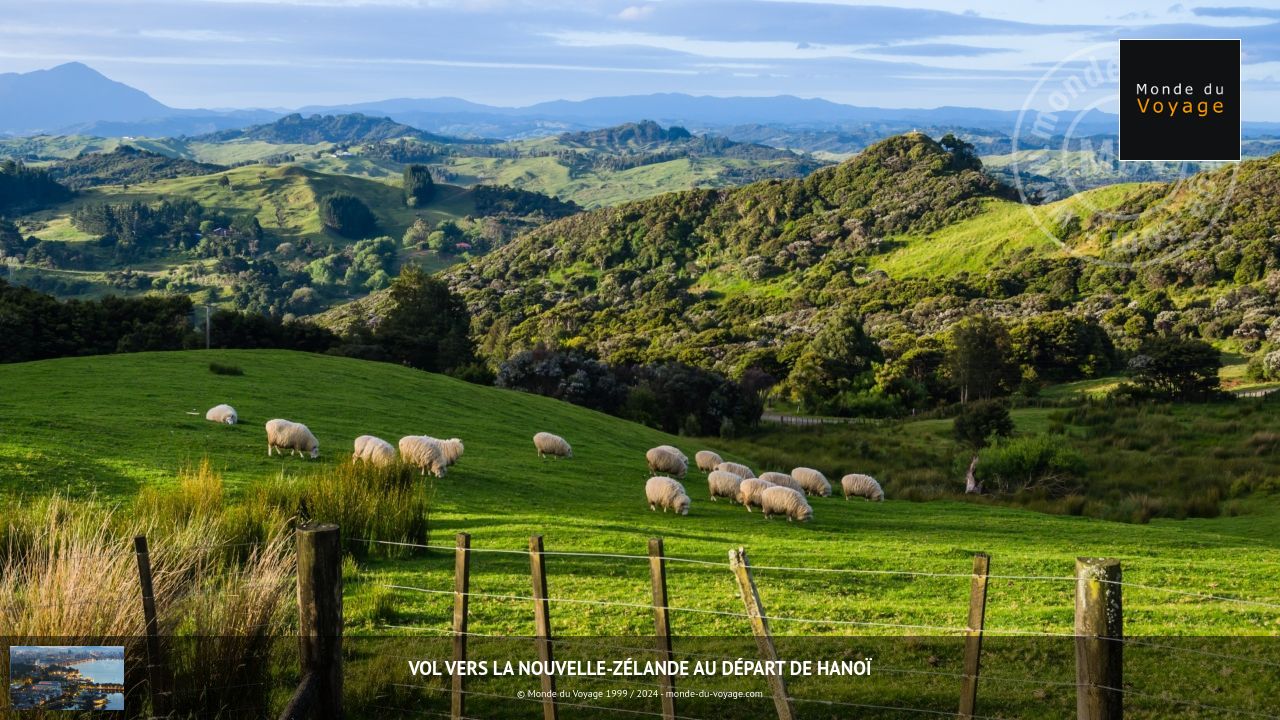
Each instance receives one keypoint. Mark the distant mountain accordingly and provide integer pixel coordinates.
(126, 165)
(702, 112)
(188, 122)
(67, 95)
(348, 128)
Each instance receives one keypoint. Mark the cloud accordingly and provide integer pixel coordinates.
(1238, 11)
(937, 50)
(635, 12)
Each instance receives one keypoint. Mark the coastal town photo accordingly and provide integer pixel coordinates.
(66, 677)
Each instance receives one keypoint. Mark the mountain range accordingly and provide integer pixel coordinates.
(73, 98)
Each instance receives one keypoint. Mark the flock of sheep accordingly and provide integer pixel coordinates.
(426, 453)
(775, 493)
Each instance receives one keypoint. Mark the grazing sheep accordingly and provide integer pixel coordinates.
(707, 460)
(666, 459)
(668, 494)
(723, 484)
(812, 481)
(785, 501)
(552, 445)
(424, 453)
(738, 469)
(222, 414)
(452, 450)
(783, 479)
(863, 486)
(373, 450)
(749, 491)
(677, 451)
(295, 437)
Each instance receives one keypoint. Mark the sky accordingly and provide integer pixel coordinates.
(903, 53)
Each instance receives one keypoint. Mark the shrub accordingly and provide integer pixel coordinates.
(1033, 463)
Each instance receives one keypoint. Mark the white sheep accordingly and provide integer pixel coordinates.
(707, 460)
(785, 501)
(424, 453)
(677, 451)
(738, 469)
(723, 484)
(222, 414)
(666, 493)
(452, 450)
(666, 459)
(373, 450)
(813, 482)
(863, 486)
(783, 479)
(552, 445)
(295, 437)
(749, 491)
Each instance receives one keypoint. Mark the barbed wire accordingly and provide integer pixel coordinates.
(559, 553)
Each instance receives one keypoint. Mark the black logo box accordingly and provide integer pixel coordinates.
(1180, 65)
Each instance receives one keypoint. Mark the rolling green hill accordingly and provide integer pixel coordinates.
(910, 237)
(109, 425)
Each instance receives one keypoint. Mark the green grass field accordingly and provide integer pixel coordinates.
(106, 426)
(105, 429)
(1000, 231)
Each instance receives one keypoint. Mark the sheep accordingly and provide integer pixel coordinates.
(676, 451)
(666, 493)
(738, 469)
(813, 482)
(424, 453)
(749, 491)
(863, 486)
(222, 414)
(663, 459)
(783, 479)
(785, 501)
(707, 460)
(373, 450)
(723, 484)
(452, 450)
(552, 445)
(295, 437)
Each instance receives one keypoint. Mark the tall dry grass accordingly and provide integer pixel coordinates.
(68, 572)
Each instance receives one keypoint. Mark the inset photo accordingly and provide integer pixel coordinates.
(66, 677)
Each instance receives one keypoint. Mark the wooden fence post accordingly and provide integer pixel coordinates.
(662, 625)
(320, 616)
(973, 635)
(159, 689)
(1099, 640)
(760, 627)
(542, 627)
(461, 588)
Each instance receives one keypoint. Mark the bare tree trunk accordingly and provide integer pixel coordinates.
(971, 484)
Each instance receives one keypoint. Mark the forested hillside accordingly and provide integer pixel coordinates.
(781, 277)
(126, 165)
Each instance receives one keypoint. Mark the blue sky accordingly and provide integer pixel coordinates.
(910, 53)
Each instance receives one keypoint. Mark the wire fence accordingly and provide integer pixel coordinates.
(826, 624)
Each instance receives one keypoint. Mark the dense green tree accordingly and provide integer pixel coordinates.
(418, 186)
(347, 215)
(427, 326)
(1175, 368)
(1062, 347)
(24, 189)
(831, 365)
(980, 360)
(974, 427)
